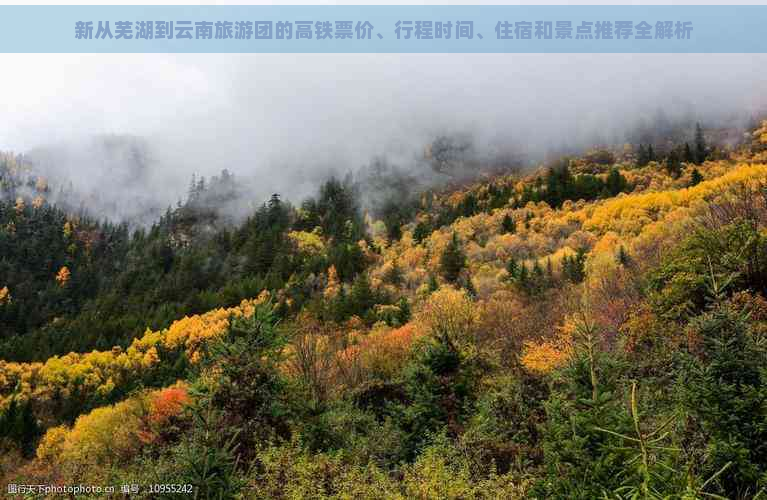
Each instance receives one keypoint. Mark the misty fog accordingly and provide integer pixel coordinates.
(281, 122)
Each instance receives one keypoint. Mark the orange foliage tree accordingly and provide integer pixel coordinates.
(63, 276)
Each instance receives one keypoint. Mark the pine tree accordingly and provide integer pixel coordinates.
(688, 156)
(19, 424)
(701, 150)
(696, 177)
(642, 156)
(339, 308)
(513, 268)
(421, 231)
(537, 278)
(361, 297)
(559, 184)
(623, 257)
(615, 183)
(673, 165)
(723, 394)
(523, 278)
(404, 311)
(433, 283)
(192, 193)
(277, 216)
(453, 260)
(573, 266)
(508, 225)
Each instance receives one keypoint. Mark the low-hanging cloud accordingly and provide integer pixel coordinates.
(283, 121)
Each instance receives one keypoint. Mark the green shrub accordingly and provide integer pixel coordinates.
(723, 391)
(734, 255)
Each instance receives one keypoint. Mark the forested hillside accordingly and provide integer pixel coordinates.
(596, 328)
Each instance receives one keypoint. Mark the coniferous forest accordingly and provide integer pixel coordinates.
(591, 328)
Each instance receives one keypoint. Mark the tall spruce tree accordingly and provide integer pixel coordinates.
(701, 150)
(508, 225)
(642, 157)
(453, 260)
(696, 177)
(688, 156)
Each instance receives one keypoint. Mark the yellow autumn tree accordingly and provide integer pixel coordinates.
(450, 315)
(115, 433)
(52, 443)
(5, 296)
(191, 332)
(96, 374)
(542, 357)
(630, 214)
(104, 436)
(310, 244)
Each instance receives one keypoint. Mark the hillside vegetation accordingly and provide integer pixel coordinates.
(595, 329)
